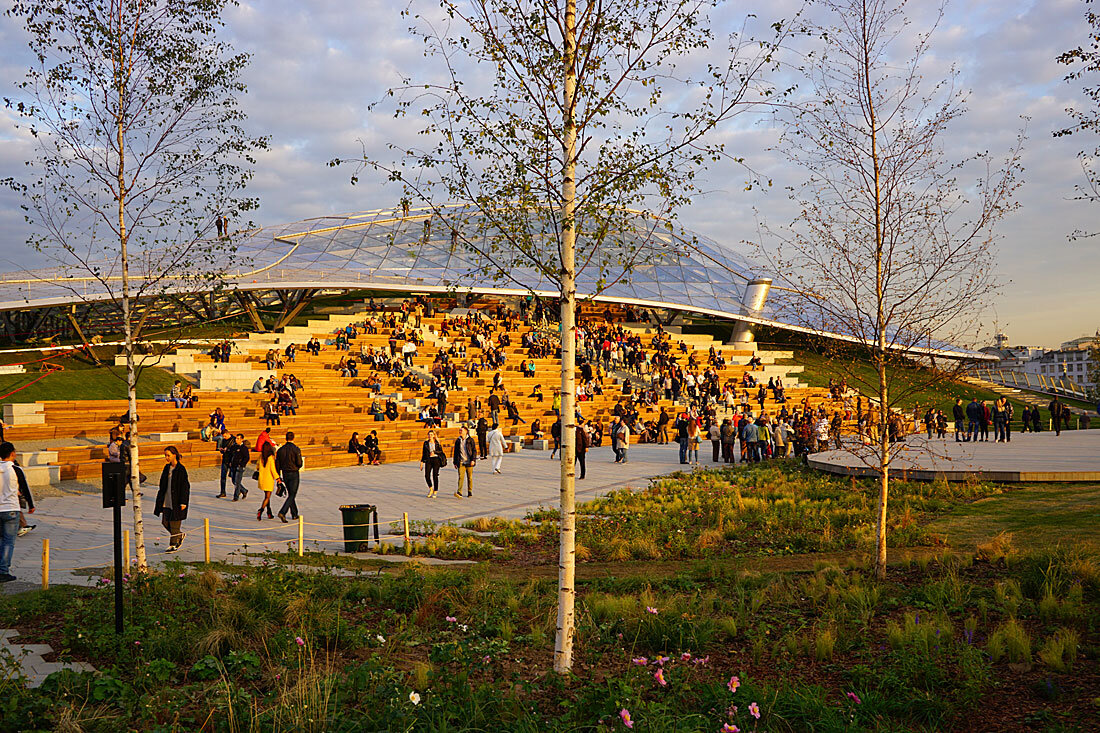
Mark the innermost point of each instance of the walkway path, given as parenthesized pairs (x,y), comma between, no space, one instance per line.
(1072,456)
(530,480)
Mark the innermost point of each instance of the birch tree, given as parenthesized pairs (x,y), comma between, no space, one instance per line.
(559,122)
(1084,63)
(140,148)
(891,246)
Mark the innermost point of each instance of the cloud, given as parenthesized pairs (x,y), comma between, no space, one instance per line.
(317,67)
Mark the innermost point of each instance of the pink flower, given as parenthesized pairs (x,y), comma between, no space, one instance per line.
(854,698)
(732,711)
(702,660)
(660,661)
(624,714)
(754,710)
(486,659)
(660,677)
(685,657)
(640,661)
(651,609)
(729,728)
(733,684)
(278,676)
(300,641)
(137,643)
(451,619)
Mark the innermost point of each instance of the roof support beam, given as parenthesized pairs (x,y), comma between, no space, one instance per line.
(305,297)
(149,308)
(69,314)
(249,305)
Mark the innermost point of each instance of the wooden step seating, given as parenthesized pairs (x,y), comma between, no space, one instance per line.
(333,406)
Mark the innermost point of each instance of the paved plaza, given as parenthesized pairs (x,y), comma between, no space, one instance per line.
(1072,456)
(529,480)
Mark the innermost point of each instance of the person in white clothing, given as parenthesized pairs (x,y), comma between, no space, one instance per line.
(9,509)
(495,442)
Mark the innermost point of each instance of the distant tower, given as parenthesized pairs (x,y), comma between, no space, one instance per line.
(1001,340)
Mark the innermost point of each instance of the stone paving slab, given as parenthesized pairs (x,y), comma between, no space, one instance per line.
(34,668)
(529,480)
(1028,457)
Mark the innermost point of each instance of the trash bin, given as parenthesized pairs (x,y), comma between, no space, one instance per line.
(356,519)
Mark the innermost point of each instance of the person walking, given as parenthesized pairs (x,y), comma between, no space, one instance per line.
(267,476)
(464,459)
(288,462)
(483,437)
(620,440)
(958,413)
(1057,414)
(9,510)
(238,459)
(226,444)
(694,440)
(581,446)
(432,458)
(681,427)
(662,427)
(555,433)
(496,447)
(173,497)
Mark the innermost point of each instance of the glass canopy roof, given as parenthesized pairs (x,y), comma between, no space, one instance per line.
(647,261)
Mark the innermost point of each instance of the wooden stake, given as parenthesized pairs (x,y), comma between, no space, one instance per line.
(206,540)
(126,548)
(45,563)
(301,534)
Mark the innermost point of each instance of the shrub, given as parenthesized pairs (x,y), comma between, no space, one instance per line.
(997,549)
(1010,641)
(1059,652)
(824,644)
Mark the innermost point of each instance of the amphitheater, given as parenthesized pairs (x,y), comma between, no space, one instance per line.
(436,255)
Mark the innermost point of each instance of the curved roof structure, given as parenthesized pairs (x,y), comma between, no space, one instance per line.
(454,249)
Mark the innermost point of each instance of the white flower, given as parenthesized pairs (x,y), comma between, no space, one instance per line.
(414,697)
(381,639)
(463,626)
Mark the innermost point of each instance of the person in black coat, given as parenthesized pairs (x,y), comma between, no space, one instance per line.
(173,497)
(432,458)
(581,447)
(1057,414)
(482,437)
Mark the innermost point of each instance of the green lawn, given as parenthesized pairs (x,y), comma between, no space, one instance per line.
(1038,516)
(82,384)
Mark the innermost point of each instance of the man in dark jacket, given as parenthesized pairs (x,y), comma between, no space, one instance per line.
(482,437)
(238,459)
(959,415)
(555,433)
(681,427)
(288,462)
(1057,414)
(464,459)
(173,497)
(494,408)
(581,447)
(974,416)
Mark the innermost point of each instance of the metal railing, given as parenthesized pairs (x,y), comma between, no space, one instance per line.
(1036,382)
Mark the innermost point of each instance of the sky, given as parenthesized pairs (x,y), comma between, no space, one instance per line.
(318,65)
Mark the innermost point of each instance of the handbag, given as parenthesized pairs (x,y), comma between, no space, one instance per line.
(255,475)
(280,487)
